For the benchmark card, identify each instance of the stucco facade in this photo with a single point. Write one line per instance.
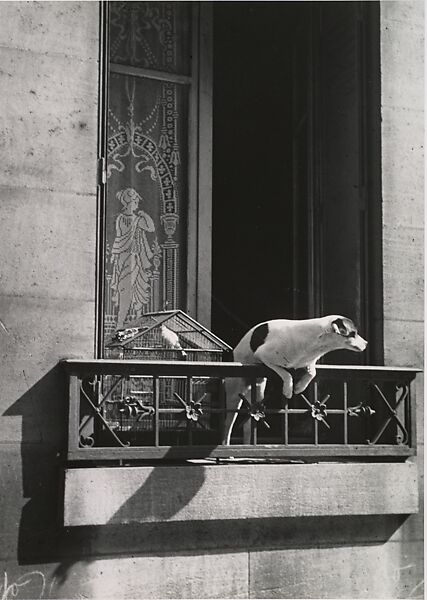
(48, 149)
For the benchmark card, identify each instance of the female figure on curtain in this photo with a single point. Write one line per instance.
(131, 257)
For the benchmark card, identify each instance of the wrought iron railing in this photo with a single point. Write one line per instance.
(133, 410)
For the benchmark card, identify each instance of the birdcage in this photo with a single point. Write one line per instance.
(166, 335)
(133, 404)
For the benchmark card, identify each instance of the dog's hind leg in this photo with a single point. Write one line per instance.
(234, 388)
(253, 396)
(233, 402)
(260, 386)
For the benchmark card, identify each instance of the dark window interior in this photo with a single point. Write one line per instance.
(252, 166)
(296, 170)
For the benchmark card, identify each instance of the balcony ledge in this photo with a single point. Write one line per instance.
(122, 495)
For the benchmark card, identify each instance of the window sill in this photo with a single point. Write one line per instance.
(121, 495)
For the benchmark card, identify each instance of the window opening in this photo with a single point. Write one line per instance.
(296, 156)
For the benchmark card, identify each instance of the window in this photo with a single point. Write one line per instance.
(292, 214)
(155, 113)
(295, 103)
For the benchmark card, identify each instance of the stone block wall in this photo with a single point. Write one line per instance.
(402, 80)
(402, 52)
(48, 145)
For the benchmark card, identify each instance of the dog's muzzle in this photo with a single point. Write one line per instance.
(359, 344)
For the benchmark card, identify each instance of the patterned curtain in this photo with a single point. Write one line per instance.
(151, 35)
(147, 162)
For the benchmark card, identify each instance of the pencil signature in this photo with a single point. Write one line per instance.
(12, 590)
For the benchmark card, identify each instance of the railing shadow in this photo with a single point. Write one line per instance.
(120, 535)
(43, 442)
(41, 536)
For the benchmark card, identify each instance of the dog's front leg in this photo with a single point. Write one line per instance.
(308, 373)
(285, 376)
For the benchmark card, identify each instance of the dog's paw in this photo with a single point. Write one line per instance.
(299, 388)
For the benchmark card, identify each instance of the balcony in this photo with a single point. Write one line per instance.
(130, 410)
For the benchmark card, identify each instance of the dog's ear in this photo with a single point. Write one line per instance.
(339, 326)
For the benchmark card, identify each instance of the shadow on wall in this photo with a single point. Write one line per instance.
(122, 535)
(43, 412)
(42, 539)
(197, 538)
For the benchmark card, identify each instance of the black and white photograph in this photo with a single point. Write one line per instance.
(212, 299)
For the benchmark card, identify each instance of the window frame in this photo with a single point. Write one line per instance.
(199, 205)
(367, 45)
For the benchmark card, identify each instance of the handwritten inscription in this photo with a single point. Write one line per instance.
(34, 579)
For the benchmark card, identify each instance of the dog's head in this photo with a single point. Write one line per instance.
(345, 334)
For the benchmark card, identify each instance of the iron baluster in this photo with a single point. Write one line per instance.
(345, 406)
(315, 410)
(104, 398)
(393, 414)
(156, 402)
(97, 412)
(192, 411)
(87, 426)
(254, 420)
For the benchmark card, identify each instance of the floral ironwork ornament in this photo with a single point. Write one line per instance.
(318, 409)
(132, 407)
(256, 410)
(361, 409)
(193, 409)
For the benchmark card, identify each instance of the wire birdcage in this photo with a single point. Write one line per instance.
(170, 336)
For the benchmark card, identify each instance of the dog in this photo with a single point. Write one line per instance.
(286, 345)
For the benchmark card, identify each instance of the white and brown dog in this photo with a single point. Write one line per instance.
(284, 345)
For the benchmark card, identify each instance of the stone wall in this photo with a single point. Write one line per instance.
(48, 142)
(402, 52)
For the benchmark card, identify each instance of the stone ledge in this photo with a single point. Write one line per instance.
(100, 496)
